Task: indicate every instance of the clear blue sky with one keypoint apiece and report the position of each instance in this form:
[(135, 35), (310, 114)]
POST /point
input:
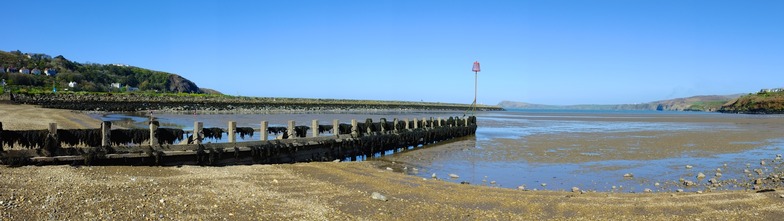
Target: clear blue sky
[(548, 52)]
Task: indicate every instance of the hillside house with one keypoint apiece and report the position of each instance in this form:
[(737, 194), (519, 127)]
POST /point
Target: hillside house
[(36, 71), (24, 71), (115, 85), (12, 70), (50, 72), (71, 84)]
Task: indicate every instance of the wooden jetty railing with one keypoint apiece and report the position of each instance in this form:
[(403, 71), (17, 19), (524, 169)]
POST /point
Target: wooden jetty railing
[(160, 146)]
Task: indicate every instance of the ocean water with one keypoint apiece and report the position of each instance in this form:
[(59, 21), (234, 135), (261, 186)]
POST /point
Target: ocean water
[(558, 150)]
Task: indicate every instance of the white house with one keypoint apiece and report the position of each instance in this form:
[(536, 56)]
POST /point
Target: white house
[(36, 71), (24, 71), (50, 71), (71, 84), (115, 85)]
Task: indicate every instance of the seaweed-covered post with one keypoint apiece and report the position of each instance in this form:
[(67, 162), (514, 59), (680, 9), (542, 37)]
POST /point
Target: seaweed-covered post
[(106, 130), (314, 127), (264, 128), (406, 121), (1, 137), (336, 127), (439, 122), (153, 128), (394, 125), (291, 132), (383, 123), (466, 121), (424, 123), (198, 135), (232, 131), (416, 123), (354, 128), (52, 142)]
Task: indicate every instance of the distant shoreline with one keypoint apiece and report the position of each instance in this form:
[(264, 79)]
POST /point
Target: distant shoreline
[(185, 103)]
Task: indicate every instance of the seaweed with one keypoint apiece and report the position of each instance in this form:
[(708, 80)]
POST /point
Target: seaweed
[(169, 135), (301, 131), (213, 133), (324, 128), (73, 137), (277, 130), (344, 128), (244, 131), (129, 136)]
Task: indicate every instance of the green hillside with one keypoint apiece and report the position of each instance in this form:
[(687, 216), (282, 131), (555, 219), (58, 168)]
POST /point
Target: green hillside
[(86, 76), (759, 103)]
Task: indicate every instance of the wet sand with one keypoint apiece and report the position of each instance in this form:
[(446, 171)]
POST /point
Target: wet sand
[(325, 191), (29, 117)]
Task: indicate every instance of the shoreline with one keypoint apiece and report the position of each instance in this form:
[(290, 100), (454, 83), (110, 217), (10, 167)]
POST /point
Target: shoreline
[(334, 191)]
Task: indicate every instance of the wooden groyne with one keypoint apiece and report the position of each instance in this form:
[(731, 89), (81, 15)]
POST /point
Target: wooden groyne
[(172, 146)]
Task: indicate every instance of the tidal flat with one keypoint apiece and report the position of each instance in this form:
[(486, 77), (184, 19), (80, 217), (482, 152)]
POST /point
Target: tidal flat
[(608, 151)]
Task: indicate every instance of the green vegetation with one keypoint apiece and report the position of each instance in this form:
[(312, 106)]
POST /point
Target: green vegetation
[(759, 103), (706, 105), (88, 77)]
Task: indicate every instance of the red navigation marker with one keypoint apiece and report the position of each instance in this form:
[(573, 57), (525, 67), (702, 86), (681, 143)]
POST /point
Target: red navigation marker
[(476, 67)]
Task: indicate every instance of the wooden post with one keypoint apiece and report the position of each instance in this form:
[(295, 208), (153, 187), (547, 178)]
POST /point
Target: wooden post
[(336, 127), (198, 135), (291, 132), (394, 125), (264, 128), (314, 127), (153, 128), (368, 124), (439, 122), (106, 130), (466, 121), (1, 137), (383, 123), (424, 122), (51, 149), (232, 131), (405, 120), (416, 123), (354, 128)]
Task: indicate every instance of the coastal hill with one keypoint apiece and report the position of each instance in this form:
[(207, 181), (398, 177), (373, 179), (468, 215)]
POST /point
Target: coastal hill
[(763, 102), (33, 72), (695, 103)]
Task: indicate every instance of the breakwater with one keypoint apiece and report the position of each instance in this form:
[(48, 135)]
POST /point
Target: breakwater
[(171, 146), (215, 103)]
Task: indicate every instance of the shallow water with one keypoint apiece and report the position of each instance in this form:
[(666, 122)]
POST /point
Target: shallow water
[(558, 150)]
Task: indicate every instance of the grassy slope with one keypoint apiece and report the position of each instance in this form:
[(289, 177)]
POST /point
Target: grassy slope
[(759, 103)]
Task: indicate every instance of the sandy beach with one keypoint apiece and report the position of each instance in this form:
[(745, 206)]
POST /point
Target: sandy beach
[(319, 191)]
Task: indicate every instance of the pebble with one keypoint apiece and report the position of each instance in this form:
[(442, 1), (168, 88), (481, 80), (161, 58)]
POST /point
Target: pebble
[(521, 187), (628, 175), (689, 183), (433, 176), (679, 190), (389, 168), (575, 189), (336, 161), (699, 191), (656, 184), (688, 166), (700, 175), (378, 196), (718, 169), (453, 176), (718, 174), (647, 190), (544, 184), (492, 182), (781, 196), (762, 162)]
